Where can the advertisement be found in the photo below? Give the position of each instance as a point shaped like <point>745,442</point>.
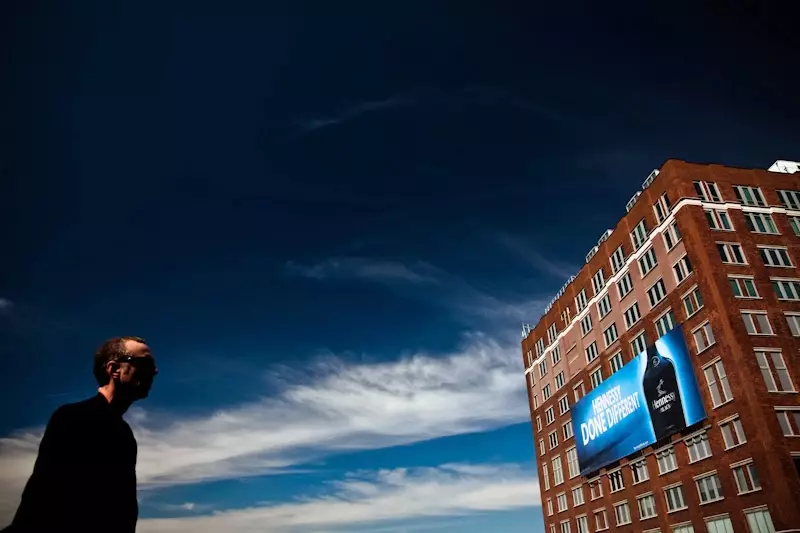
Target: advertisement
<point>652,397</point>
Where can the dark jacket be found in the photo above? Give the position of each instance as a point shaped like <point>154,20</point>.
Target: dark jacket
<point>84,478</point>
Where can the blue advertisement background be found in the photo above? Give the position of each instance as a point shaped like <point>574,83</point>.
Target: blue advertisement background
<point>635,431</point>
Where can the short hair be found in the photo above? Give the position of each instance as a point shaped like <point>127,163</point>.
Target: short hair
<point>111,350</point>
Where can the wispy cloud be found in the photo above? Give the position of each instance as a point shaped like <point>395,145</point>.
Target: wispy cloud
<point>376,497</point>
<point>350,113</point>
<point>365,269</point>
<point>6,305</point>
<point>528,252</point>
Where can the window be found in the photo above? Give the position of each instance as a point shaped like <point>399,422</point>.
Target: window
<point>665,323</point>
<point>572,463</point>
<point>559,380</point>
<point>749,195</point>
<point>600,520</point>
<point>718,383</point>
<point>617,259</point>
<point>543,368</point>
<point>756,323</point>
<point>598,281</point>
<point>639,235</point>
<point>582,524</point>
<point>777,257</point>
<point>682,268</point>
<point>731,253</point>
<point>693,301</point>
<point>542,448</point>
<point>647,506</point>
<point>546,392</point>
<point>743,287</point>
<point>610,335</point>
<point>671,236</point>
<point>595,489</point>
<point>639,471</point>
<point>732,433</point>
<point>549,416</point>
<point>707,190</point>
<point>552,437</point>
<point>579,391</point>
<point>552,333</point>
<point>549,507</point>
<point>758,521</point>
<point>789,420</point>
<point>790,199</point>
<point>566,428</point>
<point>555,355</point>
<point>580,301</point>
<point>535,402</point>
<point>577,495</point>
<point>539,347</point>
<point>793,320</point>
<point>675,499</point>
<point>666,460</point>
<point>683,528</point>
<point>639,343</point>
<point>586,324</point>
<point>563,405</point>
<point>604,306</point>
<point>596,377</point>
<point>656,293</point>
<point>558,470</point>
<point>794,222</point>
<point>617,362</point>
<point>718,219</point>
<point>774,371</point>
<point>709,488</point>
<point>561,501</point>
<point>786,289</point>
<point>760,223</point>
<point>703,337</point>
<point>648,261</point>
<point>566,315</point>
<point>591,352</point>
<point>546,477</point>
<point>529,358</point>
<point>625,285</point>
<point>565,523</point>
<point>616,481</point>
<point>553,528</point>
<point>698,447</point>
<point>661,207</point>
<point>720,524</point>
<point>538,423</point>
<point>632,315</point>
<point>746,477</point>
<point>623,513</point>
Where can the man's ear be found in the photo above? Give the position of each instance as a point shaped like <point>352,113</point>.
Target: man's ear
<point>112,369</point>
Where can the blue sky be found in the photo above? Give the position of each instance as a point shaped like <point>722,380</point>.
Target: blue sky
<point>330,221</point>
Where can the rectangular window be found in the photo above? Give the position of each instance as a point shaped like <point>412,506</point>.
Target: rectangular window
<point>682,268</point>
<point>535,402</point>
<point>549,507</point>
<point>759,521</point>
<point>639,343</point>
<point>666,460</point>
<point>749,195</point>
<point>647,506</point>
<point>624,285</point>
<point>746,477</point>
<point>743,287</point>
<point>595,489</point>
<point>718,383</point>
<point>596,377</point>
<point>683,528</point>
<point>542,368</point>
<point>709,488</point>
<point>546,477</point>
<point>610,335</point>
<point>538,423</point>
<point>732,433</point>
<point>793,320</point>
<point>698,447</point>
<point>539,347</point>
<point>580,300</point>
<point>552,333</point>
<point>566,429</point>
<point>703,337</point>
<point>577,495</point>
<point>648,261</point>
<point>579,391</point>
<point>756,323</point>
<point>707,190</point>
<point>582,524</point>
<point>661,208</point>
<point>665,323</point>
<point>790,199</point>
<point>565,523</point>
<point>591,352</point>
<point>639,235</point>
<point>566,315</point>
<point>788,289</point>
<point>616,362</point>
<point>546,392</point>
<point>720,524</point>
<point>794,222</point>
<point>559,380</point>
<point>555,355</point>
<point>563,405</point>
<point>549,416</point>
<point>561,501</point>
<point>675,499</point>
<point>618,259</point>
<point>552,437</point>
<point>777,257</point>
<point>656,293</point>
<point>789,420</point>
<point>542,448</point>
<point>572,463</point>
<point>586,324</point>
<point>639,471</point>
<point>623,513</point>
<point>615,480</point>
<point>718,219</point>
<point>774,371</point>
<point>632,315</point>
<point>558,470</point>
<point>760,223</point>
<point>598,281</point>
<point>529,358</point>
<point>600,520</point>
<point>672,236</point>
<point>693,301</point>
<point>731,253</point>
<point>604,306</point>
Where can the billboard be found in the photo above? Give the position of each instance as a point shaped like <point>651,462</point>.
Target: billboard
<point>652,397</point>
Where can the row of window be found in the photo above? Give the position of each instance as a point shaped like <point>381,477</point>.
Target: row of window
<point>720,220</point>
<point>731,253</point>
<point>746,195</point>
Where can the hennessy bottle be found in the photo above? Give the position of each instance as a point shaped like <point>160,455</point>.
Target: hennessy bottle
<point>662,395</point>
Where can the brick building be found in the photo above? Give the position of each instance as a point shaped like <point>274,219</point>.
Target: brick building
<point>716,250</point>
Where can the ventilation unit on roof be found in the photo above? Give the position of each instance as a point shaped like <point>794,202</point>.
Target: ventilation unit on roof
<point>604,236</point>
<point>632,201</point>
<point>785,167</point>
<point>650,179</point>
<point>591,253</point>
<point>526,329</point>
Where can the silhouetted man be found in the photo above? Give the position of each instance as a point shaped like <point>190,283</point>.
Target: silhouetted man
<point>84,479</point>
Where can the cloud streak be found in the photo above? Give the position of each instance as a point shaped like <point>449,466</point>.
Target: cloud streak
<point>353,112</point>
<point>364,269</point>
<point>527,252</point>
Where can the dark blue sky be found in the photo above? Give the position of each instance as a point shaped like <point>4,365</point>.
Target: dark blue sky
<point>257,187</point>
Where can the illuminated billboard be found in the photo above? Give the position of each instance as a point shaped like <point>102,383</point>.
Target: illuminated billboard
<point>652,397</point>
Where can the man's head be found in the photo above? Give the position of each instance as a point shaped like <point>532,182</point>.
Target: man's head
<point>129,363</point>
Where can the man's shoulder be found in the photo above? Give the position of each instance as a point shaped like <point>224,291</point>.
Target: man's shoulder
<point>78,409</point>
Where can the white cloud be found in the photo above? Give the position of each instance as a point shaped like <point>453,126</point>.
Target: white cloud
<point>350,113</point>
<point>363,268</point>
<point>376,497</point>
